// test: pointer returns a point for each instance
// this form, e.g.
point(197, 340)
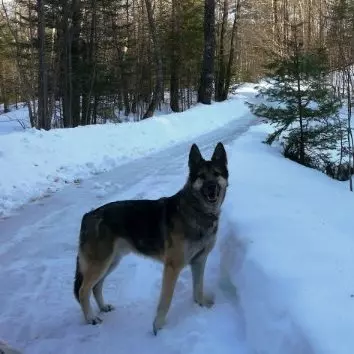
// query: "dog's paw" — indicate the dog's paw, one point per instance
point(158, 324)
point(207, 301)
point(107, 308)
point(94, 320)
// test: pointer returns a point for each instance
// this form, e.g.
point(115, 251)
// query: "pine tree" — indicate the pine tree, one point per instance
point(302, 107)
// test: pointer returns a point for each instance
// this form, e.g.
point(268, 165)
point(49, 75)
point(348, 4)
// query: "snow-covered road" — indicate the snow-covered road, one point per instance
point(38, 312)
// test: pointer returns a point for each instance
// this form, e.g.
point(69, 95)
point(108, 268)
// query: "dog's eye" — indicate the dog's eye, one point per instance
point(201, 175)
point(217, 173)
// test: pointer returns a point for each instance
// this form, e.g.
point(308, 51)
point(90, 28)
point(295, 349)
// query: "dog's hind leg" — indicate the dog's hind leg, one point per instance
point(97, 292)
point(97, 289)
point(91, 277)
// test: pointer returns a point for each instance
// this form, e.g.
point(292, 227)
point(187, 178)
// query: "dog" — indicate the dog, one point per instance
point(178, 230)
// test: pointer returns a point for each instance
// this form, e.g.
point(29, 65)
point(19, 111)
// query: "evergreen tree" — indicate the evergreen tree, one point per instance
point(302, 107)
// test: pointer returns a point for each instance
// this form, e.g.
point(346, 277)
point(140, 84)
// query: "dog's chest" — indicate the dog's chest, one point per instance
point(196, 245)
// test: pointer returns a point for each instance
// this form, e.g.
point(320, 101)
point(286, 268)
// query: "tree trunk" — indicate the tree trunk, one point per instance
point(207, 75)
point(234, 34)
point(124, 80)
point(85, 85)
point(159, 87)
point(3, 91)
point(276, 37)
point(322, 28)
point(76, 63)
point(299, 99)
point(220, 82)
point(125, 76)
point(30, 113)
point(6, 103)
point(88, 57)
point(349, 128)
point(94, 110)
point(43, 118)
point(175, 58)
point(65, 66)
point(285, 23)
point(309, 24)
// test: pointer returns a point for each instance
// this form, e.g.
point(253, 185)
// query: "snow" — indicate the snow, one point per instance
point(35, 163)
point(14, 121)
point(288, 250)
point(38, 311)
point(282, 269)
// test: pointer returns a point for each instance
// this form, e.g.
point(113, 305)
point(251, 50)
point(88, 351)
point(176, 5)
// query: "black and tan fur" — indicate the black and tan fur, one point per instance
point(179, 230)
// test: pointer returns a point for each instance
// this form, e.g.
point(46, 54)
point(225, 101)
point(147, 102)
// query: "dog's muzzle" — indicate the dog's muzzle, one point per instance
point(211, 191)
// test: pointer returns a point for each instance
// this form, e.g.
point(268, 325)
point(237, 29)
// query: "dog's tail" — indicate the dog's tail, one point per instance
point(78, 280)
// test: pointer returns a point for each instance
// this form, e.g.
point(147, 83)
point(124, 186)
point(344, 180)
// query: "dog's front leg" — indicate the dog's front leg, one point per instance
point(170, 276)
point(198, 267)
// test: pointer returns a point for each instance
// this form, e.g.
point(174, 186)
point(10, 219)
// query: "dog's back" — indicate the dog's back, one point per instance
point(143, 224)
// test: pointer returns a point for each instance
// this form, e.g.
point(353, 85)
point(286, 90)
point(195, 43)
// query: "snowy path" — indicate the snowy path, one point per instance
point(38, 312)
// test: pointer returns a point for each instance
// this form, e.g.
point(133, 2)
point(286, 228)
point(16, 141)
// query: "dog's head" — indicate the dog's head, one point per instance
point(209, 178)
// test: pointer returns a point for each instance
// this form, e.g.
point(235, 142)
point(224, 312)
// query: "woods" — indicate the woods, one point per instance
point(83, 62)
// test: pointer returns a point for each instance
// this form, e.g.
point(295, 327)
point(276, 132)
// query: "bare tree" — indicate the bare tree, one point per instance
point(159, 87)
point(349, 127)
point(207, 75)
point(43, 117)
point(221, 70)
point(75, 48)
point(175, 57)
point(234, 34)
point(25, 73)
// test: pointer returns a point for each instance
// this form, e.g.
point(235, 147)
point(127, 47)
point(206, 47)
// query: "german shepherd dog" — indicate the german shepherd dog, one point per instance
point(178, 230)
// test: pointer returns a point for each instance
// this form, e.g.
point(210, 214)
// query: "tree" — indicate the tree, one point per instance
point(4, 63)
point(75, 58)
point(175, 56)
point(159, 86)
point(341, 36)
point(207, 75)
point(43, 118)
point(220, 77)
point(102, 60)
point(302, 106)
point(226, 62)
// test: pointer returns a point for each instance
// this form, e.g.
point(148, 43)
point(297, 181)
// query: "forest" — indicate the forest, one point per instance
point(81, 62)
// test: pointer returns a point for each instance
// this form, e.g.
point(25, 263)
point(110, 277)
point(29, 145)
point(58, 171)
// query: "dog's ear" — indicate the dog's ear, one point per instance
point(219, 154)
point(195, 157)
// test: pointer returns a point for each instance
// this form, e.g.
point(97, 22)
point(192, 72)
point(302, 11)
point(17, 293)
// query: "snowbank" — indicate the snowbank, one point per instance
point(34, 163)
point(14, 121)
point(288, 250)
